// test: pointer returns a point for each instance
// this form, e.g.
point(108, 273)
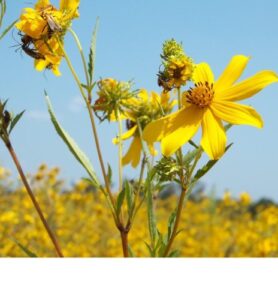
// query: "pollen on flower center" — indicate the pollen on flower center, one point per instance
point(201, 95)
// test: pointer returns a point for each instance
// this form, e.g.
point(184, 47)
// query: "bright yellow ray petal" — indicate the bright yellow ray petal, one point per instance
point(133, 154)
point(160, 128)
point(40, 64)
point(42, 4)
point(69, 4)
point(126, 135)
point(214, 137)
point(247, 87)
point(203, 73)
point(237, 114)
point(232, 72)
point(191, 122)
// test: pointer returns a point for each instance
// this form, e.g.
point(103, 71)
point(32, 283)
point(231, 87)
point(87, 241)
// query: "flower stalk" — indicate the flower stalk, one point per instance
point(33, 198)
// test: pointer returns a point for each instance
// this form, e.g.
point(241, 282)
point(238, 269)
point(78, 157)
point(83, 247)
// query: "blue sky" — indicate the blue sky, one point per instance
point(129, 43)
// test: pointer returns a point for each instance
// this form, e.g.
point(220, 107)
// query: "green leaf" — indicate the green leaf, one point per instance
point(130, 251)
point(129, 196)
point(73, 147)
point(151, 215)
point(174, 253)
point(201, 172)
point(92, 54)
point(190, 155)
point(109, 173)
point(3, 10)
point(7, 29)
point(24, 249)
point(15, 120)
point(171, 222)
point(120, 201)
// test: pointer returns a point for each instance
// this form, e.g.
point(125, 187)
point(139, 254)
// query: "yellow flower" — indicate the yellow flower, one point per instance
point(41, 26)
point(144, 108)
point(207, 104)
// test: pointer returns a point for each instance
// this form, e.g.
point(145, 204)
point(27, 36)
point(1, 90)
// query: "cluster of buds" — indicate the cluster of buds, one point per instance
point(167, 169)
point(177, 66)
point(112, 96)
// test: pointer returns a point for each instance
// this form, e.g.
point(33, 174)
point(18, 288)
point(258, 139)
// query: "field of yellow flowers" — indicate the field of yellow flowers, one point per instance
point(224, 227)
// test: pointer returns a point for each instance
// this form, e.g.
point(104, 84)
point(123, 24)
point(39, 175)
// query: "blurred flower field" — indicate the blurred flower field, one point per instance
point(224, 227)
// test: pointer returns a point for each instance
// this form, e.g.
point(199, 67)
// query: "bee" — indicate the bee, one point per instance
point(27, 41)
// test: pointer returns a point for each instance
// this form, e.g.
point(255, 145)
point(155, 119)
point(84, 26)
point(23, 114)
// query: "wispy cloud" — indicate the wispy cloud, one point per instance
point(37, 115)
point(76, 105)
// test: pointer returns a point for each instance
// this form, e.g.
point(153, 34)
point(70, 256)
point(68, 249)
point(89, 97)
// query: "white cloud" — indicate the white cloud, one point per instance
point(76, 105)
point(37, 115)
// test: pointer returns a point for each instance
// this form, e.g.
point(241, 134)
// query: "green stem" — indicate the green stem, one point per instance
point(120, 149)
point(92, 120)
point(33, 199)
point(77, 41)
point(136, 198)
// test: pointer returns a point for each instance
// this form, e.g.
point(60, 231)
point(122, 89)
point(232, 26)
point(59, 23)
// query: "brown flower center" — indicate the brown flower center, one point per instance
point(201, 95)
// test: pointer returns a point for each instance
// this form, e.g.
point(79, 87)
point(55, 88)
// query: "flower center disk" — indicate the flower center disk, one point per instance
point(201, 95)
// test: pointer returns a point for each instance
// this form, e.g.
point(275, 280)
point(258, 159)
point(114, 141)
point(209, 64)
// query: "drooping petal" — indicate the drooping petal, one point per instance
point(192, 118)
point(248, 87)
point(133, 154)
point(237, 114)
point(203, 73)
point(232, 72)
point(214, 137)
point(186, 117)
point(40, 64)
point(128, 134)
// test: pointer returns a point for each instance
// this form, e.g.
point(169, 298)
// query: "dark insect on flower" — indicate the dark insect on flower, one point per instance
point(27, 41)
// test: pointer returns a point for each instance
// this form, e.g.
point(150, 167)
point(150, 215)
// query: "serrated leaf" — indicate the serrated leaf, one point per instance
point(120, 201)
point(72, 146)
point(92, 54)
point(27, 251)
point(201, 172)
point(7, 29)
point(15, 120)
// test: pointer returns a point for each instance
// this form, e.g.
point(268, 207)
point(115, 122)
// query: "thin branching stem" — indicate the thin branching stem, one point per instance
point(33, 198)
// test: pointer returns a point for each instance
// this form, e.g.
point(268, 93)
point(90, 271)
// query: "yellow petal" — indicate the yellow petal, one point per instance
point(158, 129)
point(192, 117)
point(214, 137)
point(232, 72)
point(152, 150)
point(40, 64)
point(126, 135)
point(203, 73)
point(237, 114)
point(56, 70)
point(248, 87)
point(133, 154)
point(69, 4)
point(41, 4)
